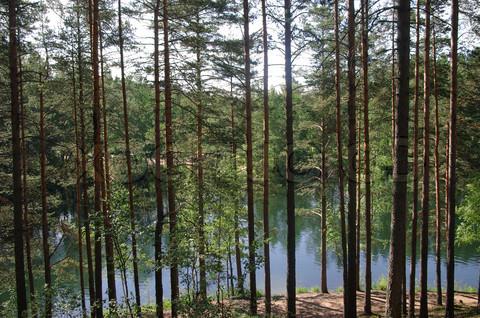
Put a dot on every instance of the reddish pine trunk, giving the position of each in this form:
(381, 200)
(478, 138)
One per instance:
(413, 244)
(17, 164)
(323, 196)
(170, 167)
(158, 168)
(266, 142)
(351, 310)
(396, 271)
(449, 309)
(341, 188)
(291, 276)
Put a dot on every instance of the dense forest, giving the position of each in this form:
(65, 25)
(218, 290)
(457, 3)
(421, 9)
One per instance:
(213, 158)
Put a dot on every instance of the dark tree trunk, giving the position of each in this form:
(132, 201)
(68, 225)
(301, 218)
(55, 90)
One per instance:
(158, 169)
(400, 170)
(238, 253)
(323, 196)
(266, 185)
(107, 223)
(45, 227)
(97, 156)
(449, 309)
(172, 212)
(341, 188)
(359, 201)
(351, 292)
(366, 158)
(17, 164)
(200, 173)
(78, 191)
(24, 154)
(248, 137)
(426, 168)
(438, 216)
(413, 243)
(136, 280)
(393, 83)
(291, 276)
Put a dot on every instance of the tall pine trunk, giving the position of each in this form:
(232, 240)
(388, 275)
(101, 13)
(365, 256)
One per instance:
(323, 197)
(266, 181)
(172, 212)
(366, 158)
(131, 208)
(45, 226)
(158, 169)
(426, 168)
(449, 309)
(413, 243)
(359, 201)
(400, 169)
(351, 292)
(438, 216)
(78, 191)
(248, 137)
(291, 276)
(16, 160)
(341, 187)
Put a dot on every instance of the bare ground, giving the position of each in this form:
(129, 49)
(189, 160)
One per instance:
(330, 305)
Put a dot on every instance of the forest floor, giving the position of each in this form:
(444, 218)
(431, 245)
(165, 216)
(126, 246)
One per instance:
(310, 305)
(330, 305)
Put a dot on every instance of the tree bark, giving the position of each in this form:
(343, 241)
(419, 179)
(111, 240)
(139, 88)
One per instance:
(107, 223)
(341, 188)
(400, 170)
(45, 226)
(248, 137)
(413, 244)
(17, 164)
(438, 216)
(266, 181)
(352, 165)
(291, 276)
(359, 201)
(158, 169)
(323, 196)
(170, 166)
(426, 168)
(78, 192)
(449, 309)
(366, 158)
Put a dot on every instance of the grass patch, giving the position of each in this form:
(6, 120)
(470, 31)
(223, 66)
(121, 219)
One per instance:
(380, 284)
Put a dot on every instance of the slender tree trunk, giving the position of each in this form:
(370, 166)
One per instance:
(200, 174)
(45, 227)
(449, 309)
(359, 201)
(17, 164)
(136, 280)
(323, 196)
(78, 192)
(266, 181)
(238, 254)
(170, 167)
(438, 216)
(158, 169)
(426, 168)
(291, 276)
(26, 222)
(366, 158)
(413, 243)
(341, 188)
(248, 136)
(393, 80)
(400, 170)
(107, 223)
(97, 157)
(83, 149)
(352, 165)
